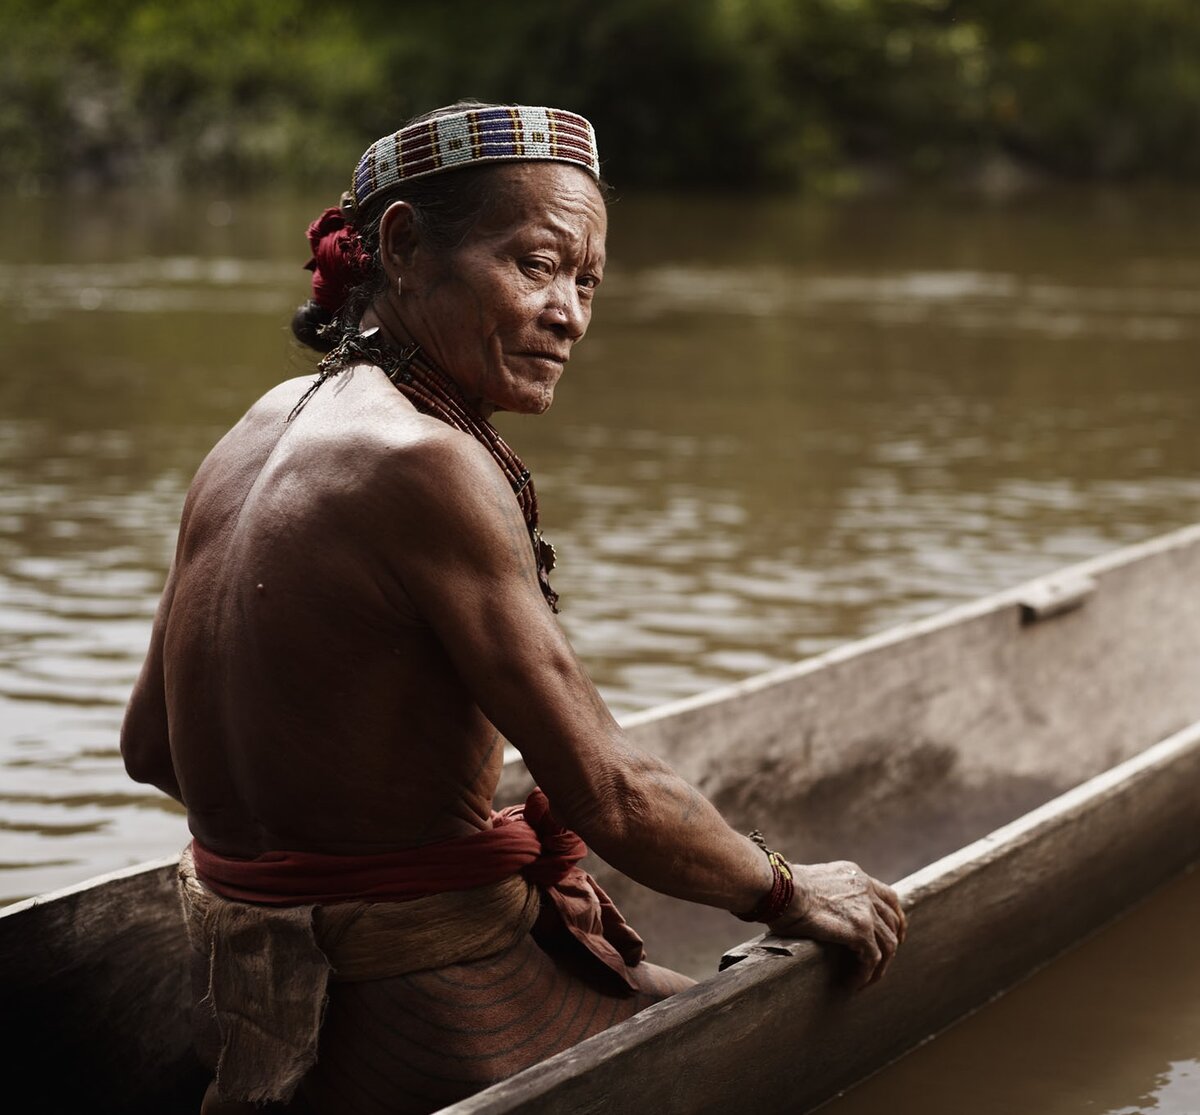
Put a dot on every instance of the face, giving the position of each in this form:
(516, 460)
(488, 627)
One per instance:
(502, 312)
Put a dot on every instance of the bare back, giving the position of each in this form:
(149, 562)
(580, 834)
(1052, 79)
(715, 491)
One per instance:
(310, 705)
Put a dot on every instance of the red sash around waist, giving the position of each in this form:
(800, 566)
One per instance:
(523, 839)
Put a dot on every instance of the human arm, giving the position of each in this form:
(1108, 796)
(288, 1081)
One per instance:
(466, 564)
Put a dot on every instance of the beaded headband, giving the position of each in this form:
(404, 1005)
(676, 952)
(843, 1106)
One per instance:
(475, 135)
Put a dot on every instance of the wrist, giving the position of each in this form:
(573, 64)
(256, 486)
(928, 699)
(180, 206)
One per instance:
(777, 900)
(798, 908)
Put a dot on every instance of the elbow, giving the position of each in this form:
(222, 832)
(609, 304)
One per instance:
(613, 821)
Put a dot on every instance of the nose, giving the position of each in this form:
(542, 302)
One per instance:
(566, 313)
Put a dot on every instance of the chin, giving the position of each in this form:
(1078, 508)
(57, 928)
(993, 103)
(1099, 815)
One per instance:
(543, 402)
(533, 398)
(528, 406)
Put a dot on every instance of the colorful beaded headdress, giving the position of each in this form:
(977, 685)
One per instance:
(475, 135)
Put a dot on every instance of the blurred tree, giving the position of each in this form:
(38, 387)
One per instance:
(726, 94)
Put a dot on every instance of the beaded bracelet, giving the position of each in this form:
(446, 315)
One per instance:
(772, 904)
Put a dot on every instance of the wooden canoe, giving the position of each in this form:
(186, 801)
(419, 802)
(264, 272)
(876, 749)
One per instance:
(1027, 766)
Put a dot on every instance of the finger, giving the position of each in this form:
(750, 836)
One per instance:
(887, 943)
(898, 923)
(883, 891)
(869, 958)
(887, 915)
(888, 895)
(888, 940)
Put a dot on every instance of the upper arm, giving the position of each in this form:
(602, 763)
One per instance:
(467, 563)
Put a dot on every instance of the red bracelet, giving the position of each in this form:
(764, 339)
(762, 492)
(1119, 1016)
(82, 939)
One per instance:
(772, 904)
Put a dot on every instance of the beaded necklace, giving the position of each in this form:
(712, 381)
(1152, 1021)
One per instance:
(433, 392)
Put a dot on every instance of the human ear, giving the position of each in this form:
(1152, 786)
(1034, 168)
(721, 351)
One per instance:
(397, 238)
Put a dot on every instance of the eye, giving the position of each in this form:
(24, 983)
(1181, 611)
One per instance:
(588, 282)
(538, 265)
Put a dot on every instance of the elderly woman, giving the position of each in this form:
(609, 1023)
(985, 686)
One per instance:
(359, 614)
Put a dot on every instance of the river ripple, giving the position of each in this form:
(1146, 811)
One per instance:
(791, 425)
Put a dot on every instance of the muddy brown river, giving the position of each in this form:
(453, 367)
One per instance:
(792, 424)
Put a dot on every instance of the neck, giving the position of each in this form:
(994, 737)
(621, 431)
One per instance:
(384, 315)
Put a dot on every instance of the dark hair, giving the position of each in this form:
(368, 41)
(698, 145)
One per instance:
(446, 208)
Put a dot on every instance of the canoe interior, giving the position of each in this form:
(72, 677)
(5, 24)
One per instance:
(778, 1032)
(892, 751)
(898, 749)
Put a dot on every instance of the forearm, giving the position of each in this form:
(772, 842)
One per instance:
(661, 831)
(664, 833)
(628, 805)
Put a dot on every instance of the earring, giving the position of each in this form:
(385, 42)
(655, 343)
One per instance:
(399, 285)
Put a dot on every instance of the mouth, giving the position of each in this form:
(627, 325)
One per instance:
(558, 359)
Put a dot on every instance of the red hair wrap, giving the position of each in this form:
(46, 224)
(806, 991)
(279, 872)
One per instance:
(339, 261)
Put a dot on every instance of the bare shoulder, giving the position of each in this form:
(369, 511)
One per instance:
(277, 403)
(262, 424)
(358, 421)
(428, 499)
(430, 473)
(251, 439)
(447, 523)
(359, 463)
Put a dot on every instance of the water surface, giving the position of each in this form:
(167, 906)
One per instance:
(1111, 1028)
(792, 424)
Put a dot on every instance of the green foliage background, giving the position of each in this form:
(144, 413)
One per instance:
(725, 94)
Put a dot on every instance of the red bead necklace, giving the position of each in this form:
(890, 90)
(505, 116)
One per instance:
(433, 392)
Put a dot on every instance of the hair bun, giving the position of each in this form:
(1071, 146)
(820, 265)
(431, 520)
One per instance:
(307, 324)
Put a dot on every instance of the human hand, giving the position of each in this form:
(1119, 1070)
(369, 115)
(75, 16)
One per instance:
(842, 904)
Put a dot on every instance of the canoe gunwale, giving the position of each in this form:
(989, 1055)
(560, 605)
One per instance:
(148, 867)
(1011, 598)
(776, 1030)
(679, 1037)
(995, 633)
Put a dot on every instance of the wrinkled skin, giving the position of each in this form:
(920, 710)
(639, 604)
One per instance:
(352, 625)
(840, 903)
(504, 311)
